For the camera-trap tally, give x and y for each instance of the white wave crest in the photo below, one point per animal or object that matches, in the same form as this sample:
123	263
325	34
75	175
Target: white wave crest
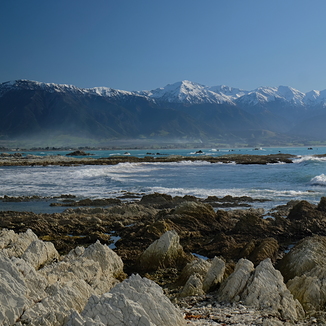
310	158
319	180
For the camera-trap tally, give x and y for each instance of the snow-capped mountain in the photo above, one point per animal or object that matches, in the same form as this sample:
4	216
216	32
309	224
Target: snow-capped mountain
183	110
187	92
194	93
62	88
263	95
231	92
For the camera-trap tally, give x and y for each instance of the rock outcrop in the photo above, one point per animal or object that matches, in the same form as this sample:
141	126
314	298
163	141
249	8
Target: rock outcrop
164	252
202	276
305	269
214	274
261	288
38	287
135	301
303	257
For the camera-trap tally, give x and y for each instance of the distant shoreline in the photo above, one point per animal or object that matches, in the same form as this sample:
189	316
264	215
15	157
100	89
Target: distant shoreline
32	160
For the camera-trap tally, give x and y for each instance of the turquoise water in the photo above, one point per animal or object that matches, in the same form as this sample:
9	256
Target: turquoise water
192	152
304	179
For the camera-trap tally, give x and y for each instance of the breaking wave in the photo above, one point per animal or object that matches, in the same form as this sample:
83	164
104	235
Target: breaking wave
319	180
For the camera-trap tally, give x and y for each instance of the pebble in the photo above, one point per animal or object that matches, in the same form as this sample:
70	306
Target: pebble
206	311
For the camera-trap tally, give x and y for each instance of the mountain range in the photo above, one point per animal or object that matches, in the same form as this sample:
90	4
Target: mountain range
181	112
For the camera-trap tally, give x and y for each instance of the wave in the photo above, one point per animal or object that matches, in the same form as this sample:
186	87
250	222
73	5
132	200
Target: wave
319	180
309	158
235	192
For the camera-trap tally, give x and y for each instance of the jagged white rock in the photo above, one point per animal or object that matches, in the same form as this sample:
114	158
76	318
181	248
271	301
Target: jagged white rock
305	266
194	286
135	301
19	243
34	295
197	266
13	292
306	255
262	288
310	289
266	290
39	253
237	281
214	275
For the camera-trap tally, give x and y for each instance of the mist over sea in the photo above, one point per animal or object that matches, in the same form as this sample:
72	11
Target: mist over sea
305	179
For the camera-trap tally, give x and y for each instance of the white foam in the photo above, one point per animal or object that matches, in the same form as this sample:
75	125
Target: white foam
319	180
311	158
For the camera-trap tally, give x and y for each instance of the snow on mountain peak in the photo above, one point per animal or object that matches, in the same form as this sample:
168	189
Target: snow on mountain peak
52	88
187	92
270	94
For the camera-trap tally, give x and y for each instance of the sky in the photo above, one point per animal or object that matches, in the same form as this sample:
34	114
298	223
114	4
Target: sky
146	44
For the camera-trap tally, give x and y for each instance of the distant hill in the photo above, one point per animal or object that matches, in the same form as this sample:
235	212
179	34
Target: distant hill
180	112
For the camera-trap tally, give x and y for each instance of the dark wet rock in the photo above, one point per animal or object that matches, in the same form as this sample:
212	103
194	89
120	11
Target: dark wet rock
69	160
79	153
252	224
322	205
259	250
155	199
306	219
199	211
161	201
21	198
89	202
234	234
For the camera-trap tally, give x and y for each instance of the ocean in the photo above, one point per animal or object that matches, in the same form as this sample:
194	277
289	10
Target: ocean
305	179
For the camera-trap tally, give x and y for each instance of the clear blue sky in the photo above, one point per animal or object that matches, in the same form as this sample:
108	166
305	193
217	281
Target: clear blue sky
145	44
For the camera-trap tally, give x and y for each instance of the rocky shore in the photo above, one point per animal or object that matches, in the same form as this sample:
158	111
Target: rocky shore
162	260
18	159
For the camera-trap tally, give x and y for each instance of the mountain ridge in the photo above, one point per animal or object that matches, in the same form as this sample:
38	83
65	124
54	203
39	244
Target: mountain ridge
184	111
178	92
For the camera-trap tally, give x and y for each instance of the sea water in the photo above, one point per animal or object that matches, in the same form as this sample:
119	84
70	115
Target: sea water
305	179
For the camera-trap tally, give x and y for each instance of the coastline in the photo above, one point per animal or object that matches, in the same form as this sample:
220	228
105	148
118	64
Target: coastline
32	160
129	228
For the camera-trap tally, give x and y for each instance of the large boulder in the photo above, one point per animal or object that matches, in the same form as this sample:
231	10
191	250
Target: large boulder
266	290
307	219
164	252
306	255
235	284
304	267
262	288
310	289
135	301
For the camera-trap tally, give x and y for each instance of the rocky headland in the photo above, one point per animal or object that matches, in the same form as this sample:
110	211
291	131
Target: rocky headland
162	260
